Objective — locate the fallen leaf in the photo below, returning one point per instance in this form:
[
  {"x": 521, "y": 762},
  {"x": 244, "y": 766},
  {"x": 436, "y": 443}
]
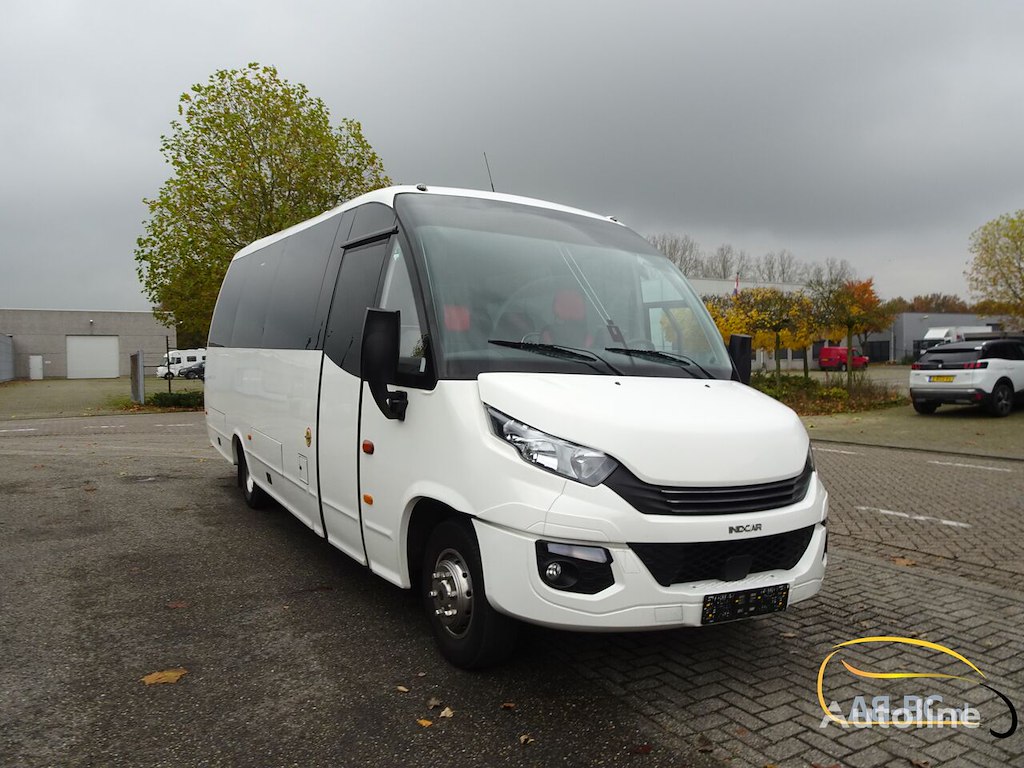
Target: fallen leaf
[
  {"x": 447, "y": 712},
  {"x": 425, "y": 723},
  {"x": 642, "y": 749},
  {"x": 526, "y": 739},
  {"x": 166, "y": 676},
  {"x": 433, "y": 702},
  {"x": 789, "y": 635},
  {"x": 421, "y": 674},
  {"x": 508, "y": 705},
  {"x": 904, "y": 561},
  {"x": 401, "y": 689},
  {"x": 920, "y": 763},
  {"x": 178, "y": 604},
  {"x": 819, "y": 765}
]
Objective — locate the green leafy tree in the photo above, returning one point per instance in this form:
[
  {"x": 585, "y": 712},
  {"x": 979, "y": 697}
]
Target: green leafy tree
[
  {"x": 250, "y": 154},
  {"x": 996, "y": 274}
]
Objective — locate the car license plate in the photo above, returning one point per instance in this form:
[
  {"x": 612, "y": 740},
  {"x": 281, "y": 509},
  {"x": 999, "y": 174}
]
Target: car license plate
[
  {"x": 728, "y": 606},
  {"x": 941, "y": 379}
]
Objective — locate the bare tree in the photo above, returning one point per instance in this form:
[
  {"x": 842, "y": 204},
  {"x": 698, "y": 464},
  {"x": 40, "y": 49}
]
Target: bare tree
[
  {"x": 791, "y": 270},
  {"x": 829, "y": 275},
  {"x": 682, "y": 250},
  {"x": 721, "y": 264},
  {"x": 744, "y": 264},
  {"x": 766, "y": 268}
]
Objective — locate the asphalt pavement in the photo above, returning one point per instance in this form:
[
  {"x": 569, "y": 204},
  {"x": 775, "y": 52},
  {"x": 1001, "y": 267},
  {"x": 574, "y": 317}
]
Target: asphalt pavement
[{"x": 125, "y": 550}]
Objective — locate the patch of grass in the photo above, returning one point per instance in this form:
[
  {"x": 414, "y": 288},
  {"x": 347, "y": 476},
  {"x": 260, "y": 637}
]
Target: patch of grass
[{"x": 811, "y": 397}]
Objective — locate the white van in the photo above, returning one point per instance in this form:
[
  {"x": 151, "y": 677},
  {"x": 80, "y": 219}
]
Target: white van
[
  {"x": 519, "y": 409},
  {"x": 177, "y": 359},
  {"x": 935, "y": 336}
]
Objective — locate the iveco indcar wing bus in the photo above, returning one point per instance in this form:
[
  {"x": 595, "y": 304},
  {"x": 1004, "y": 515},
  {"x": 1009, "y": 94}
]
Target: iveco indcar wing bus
[{"x": 521, "y": 410}]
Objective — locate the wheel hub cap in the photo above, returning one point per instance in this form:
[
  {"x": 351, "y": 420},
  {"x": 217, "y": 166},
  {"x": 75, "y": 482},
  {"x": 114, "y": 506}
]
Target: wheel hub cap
[{"x": 451, "y": 590}]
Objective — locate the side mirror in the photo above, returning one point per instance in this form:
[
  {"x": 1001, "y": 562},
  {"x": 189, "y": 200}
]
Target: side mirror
[
  {"x": 739, "y": 351},
  {"x": 379, "y": 361}
]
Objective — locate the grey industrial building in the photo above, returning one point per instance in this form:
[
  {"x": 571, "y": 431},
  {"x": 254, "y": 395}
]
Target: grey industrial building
[{"x": 78, "y": 344}]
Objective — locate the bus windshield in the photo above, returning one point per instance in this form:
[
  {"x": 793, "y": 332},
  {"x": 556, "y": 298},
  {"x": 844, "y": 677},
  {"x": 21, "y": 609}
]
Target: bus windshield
[{"x": 517, "y": 287}]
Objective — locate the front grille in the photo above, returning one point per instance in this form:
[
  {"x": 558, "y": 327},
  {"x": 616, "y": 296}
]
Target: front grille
[
  {"x": 695, "y": 500},
  {"x": 723, "y": 560}
]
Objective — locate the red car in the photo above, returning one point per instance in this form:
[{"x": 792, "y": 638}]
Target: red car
[{"x": 834, "y": 359}]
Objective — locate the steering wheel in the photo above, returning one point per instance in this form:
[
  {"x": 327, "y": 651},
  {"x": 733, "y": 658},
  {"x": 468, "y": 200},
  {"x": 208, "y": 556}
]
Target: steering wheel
[{"x": 517, "y": 295}]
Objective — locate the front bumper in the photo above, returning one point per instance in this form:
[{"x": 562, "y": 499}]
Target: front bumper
[{"x": 636, "y": 601}]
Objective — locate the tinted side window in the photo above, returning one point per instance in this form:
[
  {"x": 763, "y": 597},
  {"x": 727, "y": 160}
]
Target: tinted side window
[
  {"x": 260, "y": 271},
  {"x": 370, "y": 218},
  {"x": 227, "y": 305},
  {"x": 289, "y": 323},
  {"x": 997, "y": 351},
  {"x": 355, "y": 292}
]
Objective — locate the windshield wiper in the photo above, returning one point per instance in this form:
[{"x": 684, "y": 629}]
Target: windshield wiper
[
  {"x": 668, "y": 357},
  {"x": 584, "y": 356}
]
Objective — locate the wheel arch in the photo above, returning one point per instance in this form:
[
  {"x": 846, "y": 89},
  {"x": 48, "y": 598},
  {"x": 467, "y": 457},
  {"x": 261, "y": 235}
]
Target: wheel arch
[{"x": 425, "y": 515}]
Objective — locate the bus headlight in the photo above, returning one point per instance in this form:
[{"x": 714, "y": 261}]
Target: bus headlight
[{"x": 576, "y": 462}]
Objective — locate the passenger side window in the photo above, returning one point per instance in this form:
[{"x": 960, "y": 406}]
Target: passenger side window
[
  {"x": 355, "y": 292},
  {"x": 398, "y": 294}
]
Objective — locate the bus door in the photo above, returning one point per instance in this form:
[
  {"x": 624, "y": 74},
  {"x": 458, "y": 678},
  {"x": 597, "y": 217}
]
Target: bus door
[
  {"x": 391, "y": 452},
  {"x": 338, "y": 418}
]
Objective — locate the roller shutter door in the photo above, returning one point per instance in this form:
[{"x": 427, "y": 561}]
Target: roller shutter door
[{"x": 93, "y": 357}]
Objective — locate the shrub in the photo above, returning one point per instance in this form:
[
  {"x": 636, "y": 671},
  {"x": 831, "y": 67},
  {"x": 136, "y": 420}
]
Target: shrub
[
  {"x": 812, "y": 397},
  {"x": 187, "y": 399}
]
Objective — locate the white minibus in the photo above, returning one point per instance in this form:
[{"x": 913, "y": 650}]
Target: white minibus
[{"x": 519, "y": 409}]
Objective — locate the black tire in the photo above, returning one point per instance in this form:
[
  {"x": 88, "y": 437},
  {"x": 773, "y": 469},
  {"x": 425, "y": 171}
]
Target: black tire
[
  {"x": 168, "y": 375},
  {"x": 1000, "y": 402},
  {"x": 926, "y": 407},
  {"x": 254, "y": 496},
  {"x": 842, "y": 367},
  {"x": 190, "y": 375},
  {"x": 469, "y": 633}
]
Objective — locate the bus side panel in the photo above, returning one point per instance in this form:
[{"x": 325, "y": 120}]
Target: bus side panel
[{"x": 268, "y": 398}]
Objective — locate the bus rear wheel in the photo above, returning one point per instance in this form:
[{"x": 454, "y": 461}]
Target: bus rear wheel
[
  {"x": 254, "y": 496},
  {"x": 469, "y": 633}
]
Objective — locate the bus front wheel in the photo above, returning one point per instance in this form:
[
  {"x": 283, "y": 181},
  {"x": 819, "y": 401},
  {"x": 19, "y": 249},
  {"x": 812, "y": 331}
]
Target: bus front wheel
[{"x": 469, "y": 632}]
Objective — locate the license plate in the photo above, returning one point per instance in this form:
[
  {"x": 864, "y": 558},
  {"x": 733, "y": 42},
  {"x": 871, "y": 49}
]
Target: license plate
[
  {"x": 945, "y": 379},
  {"x": 728, "y": 606}
]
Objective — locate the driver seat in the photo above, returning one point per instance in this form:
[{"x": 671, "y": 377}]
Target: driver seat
[{"x": 569, "y": 309}]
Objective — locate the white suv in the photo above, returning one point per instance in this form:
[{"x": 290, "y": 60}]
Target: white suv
[{"x": 988, "y": 373}]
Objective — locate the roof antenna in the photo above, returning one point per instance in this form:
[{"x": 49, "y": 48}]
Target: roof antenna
[{"x": 489, "y": 178}]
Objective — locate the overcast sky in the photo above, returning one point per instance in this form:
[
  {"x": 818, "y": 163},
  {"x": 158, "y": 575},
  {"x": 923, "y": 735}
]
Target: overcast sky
[{"x": 883, "y": 133}]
